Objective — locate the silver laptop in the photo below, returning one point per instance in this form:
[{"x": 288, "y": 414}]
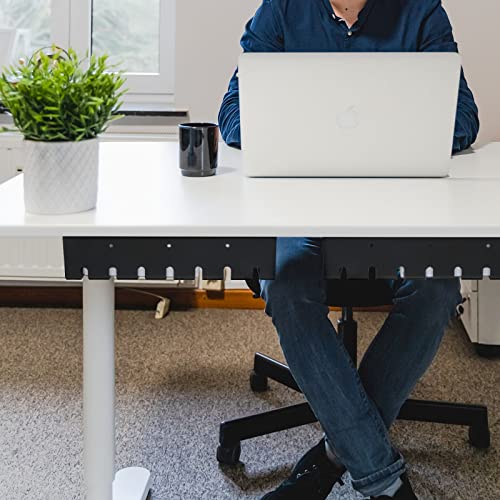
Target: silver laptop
[{"x": 348, "y": 114}]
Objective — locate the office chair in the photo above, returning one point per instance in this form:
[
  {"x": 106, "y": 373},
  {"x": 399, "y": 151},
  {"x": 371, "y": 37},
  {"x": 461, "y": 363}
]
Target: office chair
[{"x": 346, "y": 294}]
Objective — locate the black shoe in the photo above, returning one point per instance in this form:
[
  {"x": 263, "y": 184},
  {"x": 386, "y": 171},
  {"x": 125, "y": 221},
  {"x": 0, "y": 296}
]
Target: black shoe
[
  {"x": 404, "y": 493},
  {"x": 312, "y": 478}
]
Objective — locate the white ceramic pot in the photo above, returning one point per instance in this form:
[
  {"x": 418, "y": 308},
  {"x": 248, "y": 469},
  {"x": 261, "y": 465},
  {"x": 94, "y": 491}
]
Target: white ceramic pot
[{"x": 61, "y": 177}]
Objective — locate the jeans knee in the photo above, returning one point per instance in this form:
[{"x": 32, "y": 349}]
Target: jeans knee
[
  {"x": 285, "y": 296},
  {"x": 443, "y": 293},
  {"x": 277, "y": 293},
  {"x": 436, "y": 297}
]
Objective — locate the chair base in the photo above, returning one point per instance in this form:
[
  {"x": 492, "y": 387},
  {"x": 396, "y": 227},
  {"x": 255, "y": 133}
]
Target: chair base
[{"x": 232, "y": 432}]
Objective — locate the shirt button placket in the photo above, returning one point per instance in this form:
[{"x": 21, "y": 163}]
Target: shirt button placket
[{"x": 348, "y": 39}]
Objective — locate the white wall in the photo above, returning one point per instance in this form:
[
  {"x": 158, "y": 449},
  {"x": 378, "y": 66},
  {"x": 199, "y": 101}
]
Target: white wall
[
  {"x": 208, "y": 35},
  {"x": 476, "y": 30}
]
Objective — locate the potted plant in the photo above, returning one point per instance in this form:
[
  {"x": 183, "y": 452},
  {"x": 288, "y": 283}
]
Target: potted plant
[{"x": 61, "y": 104}]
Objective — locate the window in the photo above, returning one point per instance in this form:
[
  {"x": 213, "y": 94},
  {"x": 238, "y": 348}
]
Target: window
[
  {"x": 137, "y": 34},
  {"x": 128, "y": 30},
  {"x": 29, "y": 22}
]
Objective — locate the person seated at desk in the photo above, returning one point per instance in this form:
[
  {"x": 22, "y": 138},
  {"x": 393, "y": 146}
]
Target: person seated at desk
[{"x": 355, "y": 408}]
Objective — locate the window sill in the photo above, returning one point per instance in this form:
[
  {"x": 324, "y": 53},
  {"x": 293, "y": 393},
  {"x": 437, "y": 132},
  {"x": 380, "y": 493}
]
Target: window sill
[
  {"x": 129, "y": 109},
  {"x": 152, "y": 110},
  {"x": 138, "y": 118}
]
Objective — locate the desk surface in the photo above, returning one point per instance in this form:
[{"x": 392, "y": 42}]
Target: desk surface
[{"x": 141, "y": 193}]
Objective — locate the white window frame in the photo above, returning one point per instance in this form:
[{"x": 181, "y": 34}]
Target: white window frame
[{"x": 72, "y": 27}]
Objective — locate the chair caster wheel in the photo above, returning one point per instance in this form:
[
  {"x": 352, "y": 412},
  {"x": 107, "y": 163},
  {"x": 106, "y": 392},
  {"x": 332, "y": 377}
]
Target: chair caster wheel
[
  {"x": 258, "y": 383},
  {"x": 479, "y": 437},
  {"x": 229, "y": 456}
]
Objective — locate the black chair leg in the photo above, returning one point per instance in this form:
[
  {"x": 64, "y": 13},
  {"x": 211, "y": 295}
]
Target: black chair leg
[
  {"x": 475, "y": 417},
  {"x": 265, "y": 367},
  {"x": 348, "y": 330},
  {"x": 232, "y": 432}
]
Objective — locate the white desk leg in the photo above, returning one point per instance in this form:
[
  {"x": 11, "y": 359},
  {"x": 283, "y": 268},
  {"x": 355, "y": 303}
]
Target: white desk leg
[{"x": 99, "y": 401}]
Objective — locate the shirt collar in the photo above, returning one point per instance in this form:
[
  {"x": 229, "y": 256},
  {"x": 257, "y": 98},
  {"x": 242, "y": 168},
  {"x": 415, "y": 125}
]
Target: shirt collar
[{"x": 337, "y": 18}]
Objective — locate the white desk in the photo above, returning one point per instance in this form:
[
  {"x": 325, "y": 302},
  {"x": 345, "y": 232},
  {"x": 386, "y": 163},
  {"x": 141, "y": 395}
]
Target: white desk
[{"x": 142, "y": 194}]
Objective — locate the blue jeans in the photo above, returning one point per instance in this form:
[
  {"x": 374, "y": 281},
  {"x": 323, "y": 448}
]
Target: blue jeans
[{"x": 355, "y": 406}]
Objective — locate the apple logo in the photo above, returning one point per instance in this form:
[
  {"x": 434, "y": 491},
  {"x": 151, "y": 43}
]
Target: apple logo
[{"x": 348, "y": 119}]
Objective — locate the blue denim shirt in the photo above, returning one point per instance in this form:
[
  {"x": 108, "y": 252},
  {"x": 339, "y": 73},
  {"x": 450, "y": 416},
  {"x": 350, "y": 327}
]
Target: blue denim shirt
[{"x": 383, "y": 25}]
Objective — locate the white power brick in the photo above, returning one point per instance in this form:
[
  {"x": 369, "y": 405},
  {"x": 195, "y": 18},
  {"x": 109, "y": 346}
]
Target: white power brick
[
  {"x": 213, "y": 285},
  {"x": 162, "y": 308}
]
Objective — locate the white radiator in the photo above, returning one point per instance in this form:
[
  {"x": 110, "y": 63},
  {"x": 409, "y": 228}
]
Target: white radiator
[
  {"x": 31, "y": 258},
  {"x": 11, "y": 155}
]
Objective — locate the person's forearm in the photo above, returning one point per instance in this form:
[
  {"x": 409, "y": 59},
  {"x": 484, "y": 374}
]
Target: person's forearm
[
  {"x": 229, "y": 120},
  {"x": 467, "y": 121},
  {"x": 229, "y": 114}
]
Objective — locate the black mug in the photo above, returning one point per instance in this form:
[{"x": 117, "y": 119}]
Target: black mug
[{"x": 198, "y": 149}]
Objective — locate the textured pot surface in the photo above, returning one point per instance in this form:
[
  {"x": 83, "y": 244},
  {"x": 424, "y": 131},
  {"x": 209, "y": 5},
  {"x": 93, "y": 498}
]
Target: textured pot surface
[{"x": 61, "y": 177}]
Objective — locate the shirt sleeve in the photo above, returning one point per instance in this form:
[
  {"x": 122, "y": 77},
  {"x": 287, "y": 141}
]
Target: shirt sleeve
[
  {"x": 263, "y": 33},
  {"x": 437, "y": 36}
]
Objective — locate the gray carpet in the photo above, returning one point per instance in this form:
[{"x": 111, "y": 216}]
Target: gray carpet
[{"x": 177, "y": 379}]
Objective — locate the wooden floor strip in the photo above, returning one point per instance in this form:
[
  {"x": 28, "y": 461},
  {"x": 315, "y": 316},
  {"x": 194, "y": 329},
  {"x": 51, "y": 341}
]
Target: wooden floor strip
[{"x": 126, "y": 298}]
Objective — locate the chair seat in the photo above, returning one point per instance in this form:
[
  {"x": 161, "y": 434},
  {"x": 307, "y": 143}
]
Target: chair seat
[
  {"x": 359, "y": 293},
  {"x": 350, "y": 293}
]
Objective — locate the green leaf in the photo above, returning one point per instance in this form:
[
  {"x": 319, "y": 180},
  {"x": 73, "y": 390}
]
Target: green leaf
[{"x": 53, "y": 98}]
